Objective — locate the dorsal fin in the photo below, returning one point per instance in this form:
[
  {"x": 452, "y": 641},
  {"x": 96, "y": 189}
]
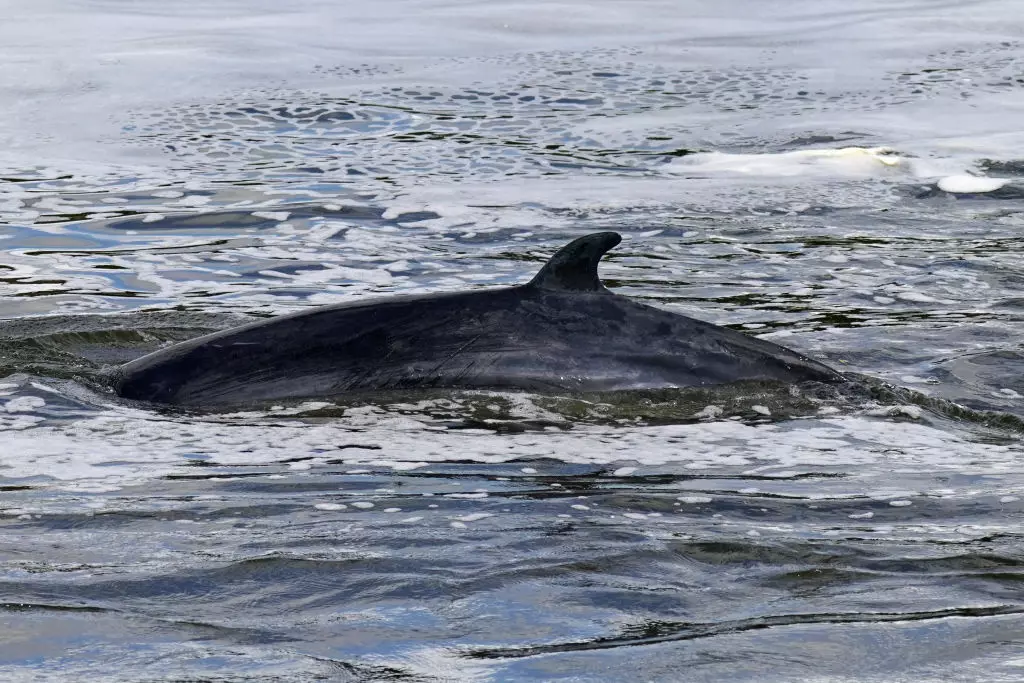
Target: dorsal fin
[{"x": 573, "y": 268}]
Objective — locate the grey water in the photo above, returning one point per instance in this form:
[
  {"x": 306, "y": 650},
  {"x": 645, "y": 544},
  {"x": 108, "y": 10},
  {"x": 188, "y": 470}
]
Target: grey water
[{"x": 843, "y": 178}]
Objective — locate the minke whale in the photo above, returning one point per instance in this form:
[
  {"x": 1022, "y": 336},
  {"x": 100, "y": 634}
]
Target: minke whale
[{"x": 563, "y": 331}]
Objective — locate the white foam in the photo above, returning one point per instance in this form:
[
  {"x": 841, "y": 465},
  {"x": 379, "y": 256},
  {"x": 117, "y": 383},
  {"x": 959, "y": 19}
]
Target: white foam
[
  {"x": 970, "y": 184},
  {"x": 103, "y": 450},
  {"x": 330, "y": 506},
  {"x": 850, "y": 162},
  {"x": 951, "y": 174},
  {"x": 24, "y": 404}
]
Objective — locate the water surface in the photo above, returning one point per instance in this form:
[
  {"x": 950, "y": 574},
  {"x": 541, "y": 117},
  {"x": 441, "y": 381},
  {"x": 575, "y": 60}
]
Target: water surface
[{"x": 167, "y": 172}]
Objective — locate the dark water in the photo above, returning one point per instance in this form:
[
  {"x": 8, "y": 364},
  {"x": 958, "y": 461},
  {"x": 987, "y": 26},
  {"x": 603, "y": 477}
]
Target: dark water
[{"x": 166, "y": 172}]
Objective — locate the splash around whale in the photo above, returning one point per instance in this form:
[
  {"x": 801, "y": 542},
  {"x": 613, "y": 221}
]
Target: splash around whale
[{"x": 561, "y": 332}]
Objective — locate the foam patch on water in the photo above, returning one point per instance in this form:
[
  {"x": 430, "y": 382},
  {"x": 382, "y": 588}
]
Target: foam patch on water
[
  {"x": 115, "y": 449},
  {"x": 548, "y": 114},
  {"x": 853, "y": 162},
  {"x": 969, "y": 184},
  {"x": 882, "y": 163}
]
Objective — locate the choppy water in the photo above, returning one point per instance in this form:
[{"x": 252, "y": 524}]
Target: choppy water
[{"x": 167, "y": 170}]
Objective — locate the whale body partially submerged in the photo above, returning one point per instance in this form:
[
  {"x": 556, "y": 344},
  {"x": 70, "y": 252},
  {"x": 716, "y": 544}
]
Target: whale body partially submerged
[{"x": 561, "y": 332}]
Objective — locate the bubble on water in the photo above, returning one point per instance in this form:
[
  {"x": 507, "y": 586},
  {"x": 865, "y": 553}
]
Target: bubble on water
[
  {"x": 330, "y": 506},
  {"x": 24, "y": 404}
]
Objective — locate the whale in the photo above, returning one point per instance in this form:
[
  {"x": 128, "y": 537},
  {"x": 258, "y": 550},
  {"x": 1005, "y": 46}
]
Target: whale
[{"x": 563, "y": 332}]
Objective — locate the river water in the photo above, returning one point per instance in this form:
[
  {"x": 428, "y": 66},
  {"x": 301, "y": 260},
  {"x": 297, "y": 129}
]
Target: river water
[{"x": 846, "y": 179}]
